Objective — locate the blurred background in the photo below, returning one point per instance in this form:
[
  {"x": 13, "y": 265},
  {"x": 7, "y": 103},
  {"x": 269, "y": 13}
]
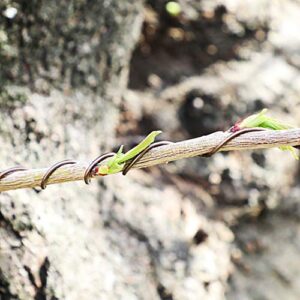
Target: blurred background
[{"x": 80, "y": 77}]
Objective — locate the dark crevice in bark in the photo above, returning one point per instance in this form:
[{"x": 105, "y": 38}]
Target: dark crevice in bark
[
  {"x": 5, "y": 293},
  {"x": 43, "y": 275},
  {"x": 5, "y": 223},
  {"x": 163, "y": 293}
]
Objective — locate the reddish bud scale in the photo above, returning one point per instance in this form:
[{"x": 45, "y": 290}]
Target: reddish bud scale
[
  {"x": 236, "y": 127},
  {"x": 96, "y": 172}
]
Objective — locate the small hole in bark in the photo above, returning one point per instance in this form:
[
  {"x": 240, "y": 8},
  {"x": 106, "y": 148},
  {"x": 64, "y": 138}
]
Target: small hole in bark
[
  {"x": 164, "y": 294},
  {"x": 200, "y": 237}
]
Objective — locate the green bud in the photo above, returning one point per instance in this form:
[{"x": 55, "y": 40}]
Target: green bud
[{"x": 173, "y": 8}]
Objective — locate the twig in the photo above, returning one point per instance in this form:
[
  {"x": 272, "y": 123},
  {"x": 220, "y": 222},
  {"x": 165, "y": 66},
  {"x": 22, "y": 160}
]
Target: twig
[{"x": 164, "y": 154}]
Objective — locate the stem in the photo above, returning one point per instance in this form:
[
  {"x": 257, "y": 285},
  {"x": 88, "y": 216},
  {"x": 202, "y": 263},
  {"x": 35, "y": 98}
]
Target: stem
[{"x": 185, "y": 149}]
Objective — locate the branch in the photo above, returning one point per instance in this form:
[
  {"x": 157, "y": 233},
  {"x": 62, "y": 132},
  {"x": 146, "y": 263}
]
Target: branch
[{"x": 164, "y": 154}]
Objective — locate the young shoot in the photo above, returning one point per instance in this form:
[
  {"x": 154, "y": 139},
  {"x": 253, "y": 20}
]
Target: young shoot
[
  {"x": 117, "y": 162},
  {"x": 261, "y": 120}
]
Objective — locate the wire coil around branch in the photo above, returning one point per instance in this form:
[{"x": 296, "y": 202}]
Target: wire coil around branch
[{"x": 128, "y": 165}]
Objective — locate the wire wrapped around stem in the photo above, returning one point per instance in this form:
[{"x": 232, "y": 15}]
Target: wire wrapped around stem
[{"x": 29, "y": 178}]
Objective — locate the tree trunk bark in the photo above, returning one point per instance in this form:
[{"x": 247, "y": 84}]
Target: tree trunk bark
[{"x": 64, "y": 67}]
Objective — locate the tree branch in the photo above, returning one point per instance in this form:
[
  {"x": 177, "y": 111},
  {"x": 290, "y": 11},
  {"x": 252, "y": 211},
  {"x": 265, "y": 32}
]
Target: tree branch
[{"x": 164, "y": 154}]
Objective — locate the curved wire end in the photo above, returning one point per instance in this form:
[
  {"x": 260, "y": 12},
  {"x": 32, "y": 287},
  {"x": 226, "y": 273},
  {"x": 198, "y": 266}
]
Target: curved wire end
[
  {"x": 52, "y": 169},
  {"x": 128, "y": 166},
  {"x": 11, "y": 170},
  {"x": 93, "y": 164}
]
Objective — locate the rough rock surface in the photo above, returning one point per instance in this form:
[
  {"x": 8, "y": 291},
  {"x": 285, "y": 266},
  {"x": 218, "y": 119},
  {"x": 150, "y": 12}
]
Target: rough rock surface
[
  {"x": 217, "y": 228},
  {"x": 217, "y": 61}
]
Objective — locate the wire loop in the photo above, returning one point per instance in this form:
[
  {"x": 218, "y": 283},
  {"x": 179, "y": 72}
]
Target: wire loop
[
  {"x": 52, "y": 169},
  {"x": 231, "y": 137},
  {"x": 132, "y": 162},
  {"x": 93, "y": 164}
]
